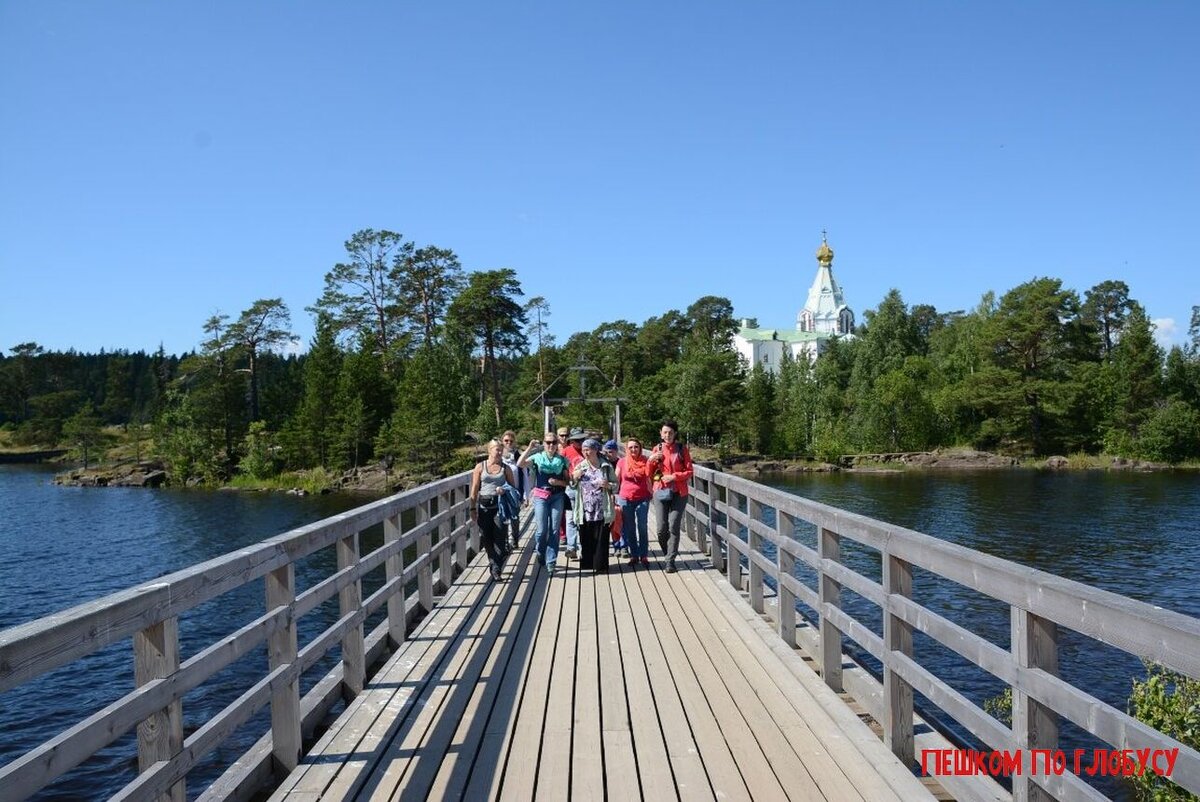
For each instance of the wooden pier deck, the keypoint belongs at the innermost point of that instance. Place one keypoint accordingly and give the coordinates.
(726, 680)
(633, 684)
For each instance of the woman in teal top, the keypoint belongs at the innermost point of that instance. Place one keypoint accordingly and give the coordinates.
(549, 482)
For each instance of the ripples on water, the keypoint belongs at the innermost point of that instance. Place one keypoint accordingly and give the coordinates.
(1133, 534)
(63, 546)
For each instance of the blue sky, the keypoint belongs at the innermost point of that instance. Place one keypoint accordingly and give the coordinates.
(161, 162)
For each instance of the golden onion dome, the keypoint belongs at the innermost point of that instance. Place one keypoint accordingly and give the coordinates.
(824, 253)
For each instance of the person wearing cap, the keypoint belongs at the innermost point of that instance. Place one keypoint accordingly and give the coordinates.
(594, 480)
(573, 456)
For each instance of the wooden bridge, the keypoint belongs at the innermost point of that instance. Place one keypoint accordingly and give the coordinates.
(630, 684)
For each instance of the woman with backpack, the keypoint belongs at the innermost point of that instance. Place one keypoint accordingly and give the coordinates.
(671, 465)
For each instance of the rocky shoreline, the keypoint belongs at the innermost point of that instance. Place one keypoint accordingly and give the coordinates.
(373, 480)
(938, 459)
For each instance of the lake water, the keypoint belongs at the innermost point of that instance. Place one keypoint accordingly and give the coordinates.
(1134, 534)
(1129, 533)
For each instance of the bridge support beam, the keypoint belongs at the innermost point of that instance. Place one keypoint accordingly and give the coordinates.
(785, 525)
(829, 547)
(1035, 726)
(897, 637)
(393, 571)
(160, 737)
(281, 650)
(354, 654)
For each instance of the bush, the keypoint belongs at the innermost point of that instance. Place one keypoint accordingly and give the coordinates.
(1172, 434)
(1170, 703)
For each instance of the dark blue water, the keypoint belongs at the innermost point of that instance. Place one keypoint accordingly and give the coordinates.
(1133, 534)
(60, 546)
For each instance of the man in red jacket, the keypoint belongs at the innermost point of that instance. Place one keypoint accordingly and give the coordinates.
(671, 465)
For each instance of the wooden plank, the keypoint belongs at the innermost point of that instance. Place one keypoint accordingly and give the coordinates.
(897, 636)
(1034, 645)
(36, 647)
(281, 651)
(1138, 628)
(830, 715)
(587, 751)
(474, 746)
(620, 760)
(524, 738)
(408, 765)
(160, 735)
(555, 761)
(355, 736)
(354, 666)
(672, 674)
(646, 707)
(829, 592)
(768, 764)
(839, 769)
(396, 613)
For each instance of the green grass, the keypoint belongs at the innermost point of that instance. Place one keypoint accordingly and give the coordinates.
(312, 481)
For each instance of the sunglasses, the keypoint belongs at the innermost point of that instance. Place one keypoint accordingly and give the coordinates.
(550, 442)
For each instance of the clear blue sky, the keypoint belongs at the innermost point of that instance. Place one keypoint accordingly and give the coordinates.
(160, 162)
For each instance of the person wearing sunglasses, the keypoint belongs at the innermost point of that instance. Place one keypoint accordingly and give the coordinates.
(550, 479)
(509, 453)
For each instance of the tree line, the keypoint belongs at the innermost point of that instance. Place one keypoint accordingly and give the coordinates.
(413, 354)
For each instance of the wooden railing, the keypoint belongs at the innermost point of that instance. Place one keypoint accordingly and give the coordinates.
(722, 506)
(439, 534)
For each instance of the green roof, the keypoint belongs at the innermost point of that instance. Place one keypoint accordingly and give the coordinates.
(783, 335)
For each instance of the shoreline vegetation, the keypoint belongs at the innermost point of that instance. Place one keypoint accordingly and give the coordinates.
(380, 480)
(415, 361)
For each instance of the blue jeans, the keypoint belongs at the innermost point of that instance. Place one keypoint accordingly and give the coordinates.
(633, 526)
(547, 513)
(572, 528)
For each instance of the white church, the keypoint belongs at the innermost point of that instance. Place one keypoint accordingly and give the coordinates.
(824, 316)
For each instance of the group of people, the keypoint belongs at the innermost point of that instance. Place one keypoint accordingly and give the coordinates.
(579, 486)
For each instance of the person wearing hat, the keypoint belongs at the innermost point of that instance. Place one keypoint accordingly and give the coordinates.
(573, 455)
(594, 480)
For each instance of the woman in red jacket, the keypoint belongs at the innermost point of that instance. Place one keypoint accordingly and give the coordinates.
(671, 465)
(633, 477)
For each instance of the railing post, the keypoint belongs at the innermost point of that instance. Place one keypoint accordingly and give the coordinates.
(714, 531)
(785, 525)
(461, 557)
(281, 650)
(1035, 726)
(354, 657)
(397, 603)
(474, 540)
(160, 737)
(733, 560)
(897, 637)
(699, 531)
(829, 547)
(754, 512)
(445, 575)
(424, 546)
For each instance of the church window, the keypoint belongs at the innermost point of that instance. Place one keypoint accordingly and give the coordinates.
(845, 322)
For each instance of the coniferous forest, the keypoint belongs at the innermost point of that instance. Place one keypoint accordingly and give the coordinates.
(414, 357)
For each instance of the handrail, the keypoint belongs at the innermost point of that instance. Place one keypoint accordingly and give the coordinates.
(443, 538)
(1039, 603)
